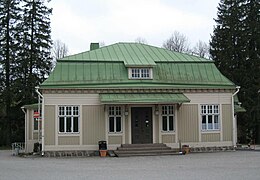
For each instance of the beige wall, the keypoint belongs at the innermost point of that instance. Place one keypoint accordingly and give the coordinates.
(114, 139)
(127, 129)
(35, 135)
(155, 128)
(169, 138)
(210, 137)
(32, 135)
(209, 98)
(227, 122)
(49, 124)
(188, 127)
(93, 124)
(68, 140)
(72, 99)
(93, 121)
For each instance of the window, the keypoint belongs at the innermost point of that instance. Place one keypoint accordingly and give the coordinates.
(35, 122)
(115, 119)
(68, 119)
(167, 118)
(210, 117)
(140, 73)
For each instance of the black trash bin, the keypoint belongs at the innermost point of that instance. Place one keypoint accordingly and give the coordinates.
(102, 145)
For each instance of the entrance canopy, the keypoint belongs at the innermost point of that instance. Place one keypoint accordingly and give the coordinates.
(141, 98)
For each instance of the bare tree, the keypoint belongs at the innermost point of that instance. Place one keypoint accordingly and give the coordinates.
(177, 42)
(141, 40)
(201, 49)
(59, 50)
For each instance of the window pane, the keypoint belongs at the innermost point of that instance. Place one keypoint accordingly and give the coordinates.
(216, 122)
(68, 124)
(111, 110)
(118, 110)
(216, 109)
(35, 124)
(111, 124)
(171, 125)
(164, 110)
(135, 73)
(75, 110)
(164, 123)
(75, 124)
(118, 124)
(210, 109)
(68, 110)
(210, 123)
(170, 109)
(204, 125)
(145, 73)
(61, 124)
(203, 109)
(61, 110)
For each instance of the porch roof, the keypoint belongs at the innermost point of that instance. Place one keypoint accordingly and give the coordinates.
(143, 98)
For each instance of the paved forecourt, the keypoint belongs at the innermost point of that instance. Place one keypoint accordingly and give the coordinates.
(222, 165)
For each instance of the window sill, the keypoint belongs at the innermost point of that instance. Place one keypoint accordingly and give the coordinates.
(168, 132)
(140, 78)
(210, 131)
(68, 134)
(115, 133)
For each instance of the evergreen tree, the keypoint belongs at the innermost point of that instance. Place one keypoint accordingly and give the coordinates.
(36, 62)
(25, 61)
(9, 17)
(235, 52)
(251, 94)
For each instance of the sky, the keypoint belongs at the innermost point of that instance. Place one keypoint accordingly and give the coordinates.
(77, 23)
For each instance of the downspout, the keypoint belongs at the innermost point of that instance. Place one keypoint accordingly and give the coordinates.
(42, 116)
(25, 128)
(234, 129)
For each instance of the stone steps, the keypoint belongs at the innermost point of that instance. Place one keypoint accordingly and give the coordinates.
(127, 150)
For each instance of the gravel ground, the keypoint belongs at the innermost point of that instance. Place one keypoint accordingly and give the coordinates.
(222, 165)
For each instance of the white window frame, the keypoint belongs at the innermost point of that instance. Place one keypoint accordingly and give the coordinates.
(168, 112)
(213, 111)
(140, 73)
(115, 112)
(73, 113)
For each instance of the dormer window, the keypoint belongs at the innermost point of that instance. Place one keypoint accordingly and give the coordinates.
(140, 73)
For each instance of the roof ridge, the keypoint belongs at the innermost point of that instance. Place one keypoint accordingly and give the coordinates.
(155, 54)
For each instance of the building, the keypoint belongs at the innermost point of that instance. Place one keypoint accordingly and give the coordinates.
(132, 93)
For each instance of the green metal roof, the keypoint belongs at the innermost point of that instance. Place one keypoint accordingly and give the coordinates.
(133, 54)
(142, 98)
(31, 106)
(107, 68)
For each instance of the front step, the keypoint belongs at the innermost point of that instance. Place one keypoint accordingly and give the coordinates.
(158, 149)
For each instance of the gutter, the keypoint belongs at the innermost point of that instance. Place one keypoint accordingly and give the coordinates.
(42, 115)
(25, 128)
(234, 120)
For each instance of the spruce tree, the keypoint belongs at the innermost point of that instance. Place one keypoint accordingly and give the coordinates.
(36, 62)
(251, 94)
(235, 50)
(9, 18)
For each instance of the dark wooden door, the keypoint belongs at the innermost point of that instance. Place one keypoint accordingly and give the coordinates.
(142, 127)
